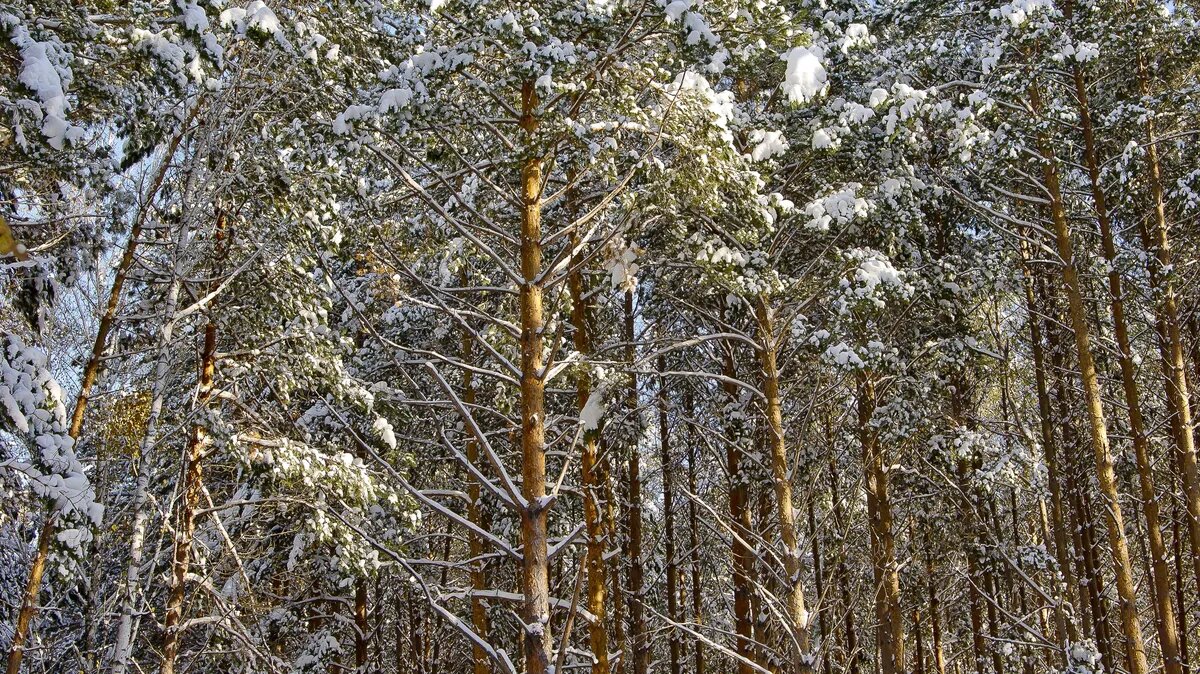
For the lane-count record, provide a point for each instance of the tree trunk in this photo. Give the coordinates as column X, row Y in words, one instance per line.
column 185, row 526
column 638, row 636
column 799, row 627
column 843, row 573
column 589, row 469
column 668, row 471
column 935, row 622
column 739, row 521
column 822, row 615
column 694, row 526
column 1159, row 265
column 1113, row 516
column 1063, row 617
column 890, row 629
column 361, row 628
column 479, row 616
column 535, row 581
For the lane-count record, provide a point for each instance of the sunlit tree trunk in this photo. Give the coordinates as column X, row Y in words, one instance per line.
column 1113, row 516
column 1160, row 572
column 535, row 580
column 781, row 479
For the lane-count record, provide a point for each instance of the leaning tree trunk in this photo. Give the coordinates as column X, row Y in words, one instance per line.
column 1158, row 265
column 91, row 370
column 1160, row 571
column 1097, row 425
column 535, row 580
column 781, row 479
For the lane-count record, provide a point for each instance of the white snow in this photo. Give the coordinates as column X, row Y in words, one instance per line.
column 805, row 78
column 767, row 144
column 44, row 71
column 385, row 432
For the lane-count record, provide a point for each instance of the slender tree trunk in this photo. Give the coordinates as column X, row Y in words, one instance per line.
column 694, row 526
column 1097, row 425
column 123, row 649
column 589, row 468
column 479, row 616
column 919, row 661
column 843, row 573
column 614, row 542
column 535, row 581
column 822, row 615
column 185, row 526
column 668, row 470
column 935, row 622
column 637, row 616
column 739, row 521
column 361, row 627
column 1063, row 617
column 781, row 479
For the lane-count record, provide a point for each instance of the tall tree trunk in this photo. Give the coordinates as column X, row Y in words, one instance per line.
column 361, row 627
column 589, row 468
column 1063, row 617
column 935, row 622
column 637, row 612
column 535, row 580
column 1113, row 516
column 1168, row 638
column 822, row 615
column 668, row 471
column 1158, row 265
column 781, row 479
column 890, row 629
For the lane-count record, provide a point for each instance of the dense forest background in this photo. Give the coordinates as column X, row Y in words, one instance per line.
column 605, row 336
